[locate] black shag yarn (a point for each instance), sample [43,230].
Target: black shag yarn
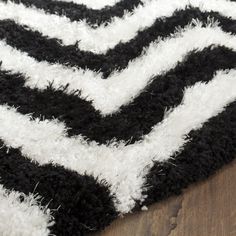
[89,195]
[135,119]
[77,12]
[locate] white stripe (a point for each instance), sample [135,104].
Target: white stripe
[101,39]
[22,218]
[93,4]
[124,167]
[121,87]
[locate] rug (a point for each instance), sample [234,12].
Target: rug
[107,106]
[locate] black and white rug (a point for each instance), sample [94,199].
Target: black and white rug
[107,106]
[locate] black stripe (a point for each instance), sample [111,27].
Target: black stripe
[210,148]
[79,203]
[135,119]
[77,12]
[42,48]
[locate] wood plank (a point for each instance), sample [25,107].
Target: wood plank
[204,209]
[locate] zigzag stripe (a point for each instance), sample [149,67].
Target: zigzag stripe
[76,12]
[217,134]
[111,94]
[44,49]
[102,113]
[164,92]
[120,30]
[45,141]
[62,197]
[211,147]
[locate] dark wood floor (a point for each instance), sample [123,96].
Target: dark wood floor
[205,209]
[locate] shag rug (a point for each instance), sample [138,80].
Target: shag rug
[107,106]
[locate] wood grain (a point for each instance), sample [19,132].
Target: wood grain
[204,209]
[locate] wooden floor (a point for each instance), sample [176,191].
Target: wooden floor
[205,209]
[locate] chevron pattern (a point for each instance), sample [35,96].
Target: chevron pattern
[108,106]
